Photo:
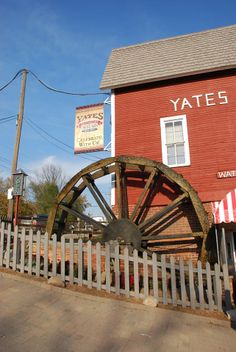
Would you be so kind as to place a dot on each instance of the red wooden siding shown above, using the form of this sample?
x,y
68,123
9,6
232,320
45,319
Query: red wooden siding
x,y
211,129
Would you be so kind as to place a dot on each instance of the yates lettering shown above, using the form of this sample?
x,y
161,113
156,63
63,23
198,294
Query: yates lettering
x,y
200,100
98,116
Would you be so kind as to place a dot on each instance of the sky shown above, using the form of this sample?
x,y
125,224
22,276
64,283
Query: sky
x,y
67,44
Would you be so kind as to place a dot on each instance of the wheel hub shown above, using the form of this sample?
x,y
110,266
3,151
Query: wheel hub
x,y
123,230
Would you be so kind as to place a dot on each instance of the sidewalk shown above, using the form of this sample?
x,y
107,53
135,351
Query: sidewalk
x,y
35,317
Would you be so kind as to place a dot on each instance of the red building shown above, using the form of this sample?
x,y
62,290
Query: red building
x,y
174,100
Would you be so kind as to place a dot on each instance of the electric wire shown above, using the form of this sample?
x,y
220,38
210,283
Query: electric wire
x,y
45,137
5,167
48,134
56,139
56,90
7,117
2,122
5,159
63,91
13,78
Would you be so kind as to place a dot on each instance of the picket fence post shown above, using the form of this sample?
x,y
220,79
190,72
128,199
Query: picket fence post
x,y
182,282
54,255
209,286
89,264
145,274
30,252
228,304
98,266
218,287
80,262
63,253
164,279
200,285
117,269
173,281
22,250
191,285
71,266
155,276
45,253
15,248
8,249
2,243
38,247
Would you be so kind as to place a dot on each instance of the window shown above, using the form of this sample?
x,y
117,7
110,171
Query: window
x,y
174,137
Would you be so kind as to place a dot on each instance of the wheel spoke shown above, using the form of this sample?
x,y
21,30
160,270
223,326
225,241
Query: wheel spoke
x,y
118,191
125,210
102,203
143,194
82,216
156,217
122,197
147,201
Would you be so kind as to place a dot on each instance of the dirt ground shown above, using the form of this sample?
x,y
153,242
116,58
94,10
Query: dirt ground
x,y
94,292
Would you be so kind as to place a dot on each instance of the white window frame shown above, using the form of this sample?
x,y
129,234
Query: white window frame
x,y
163,121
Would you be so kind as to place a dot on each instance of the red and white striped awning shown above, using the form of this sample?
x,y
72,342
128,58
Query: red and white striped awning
x,y
225,210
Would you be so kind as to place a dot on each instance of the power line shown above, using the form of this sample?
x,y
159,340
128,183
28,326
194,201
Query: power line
x,y
5,159
13,78
63,91
57,140
43,136
5,167
56,90
8,120
7,117
48,134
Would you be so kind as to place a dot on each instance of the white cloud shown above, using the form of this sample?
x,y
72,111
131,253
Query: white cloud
x,y
69,167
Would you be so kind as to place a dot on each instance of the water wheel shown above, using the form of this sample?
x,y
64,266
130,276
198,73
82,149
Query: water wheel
x,y
132,223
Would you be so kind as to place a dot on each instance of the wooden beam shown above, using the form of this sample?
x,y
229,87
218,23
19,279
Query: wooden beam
x,y
143,194
82,216
150,221
125,207
103,205
173,236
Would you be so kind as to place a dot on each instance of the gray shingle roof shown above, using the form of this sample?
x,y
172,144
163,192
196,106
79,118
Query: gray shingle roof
x,y
185,55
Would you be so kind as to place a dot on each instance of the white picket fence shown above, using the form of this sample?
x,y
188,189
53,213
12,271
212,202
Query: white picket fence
x,y
115,269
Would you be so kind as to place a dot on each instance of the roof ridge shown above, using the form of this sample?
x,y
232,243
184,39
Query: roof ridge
x,y
174,38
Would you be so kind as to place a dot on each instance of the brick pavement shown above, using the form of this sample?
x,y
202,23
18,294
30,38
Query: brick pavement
x,y
36,317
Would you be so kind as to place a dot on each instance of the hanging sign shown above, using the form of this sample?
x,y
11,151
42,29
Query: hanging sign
x,y
89,128
18,184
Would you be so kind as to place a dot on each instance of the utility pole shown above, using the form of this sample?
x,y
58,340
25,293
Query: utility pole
x,y
18,137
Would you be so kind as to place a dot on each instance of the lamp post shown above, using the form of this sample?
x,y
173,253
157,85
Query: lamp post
x,y
19,178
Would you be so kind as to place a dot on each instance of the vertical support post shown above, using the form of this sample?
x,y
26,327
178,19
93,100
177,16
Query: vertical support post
x,y
217,244
18,136
223,244
16,212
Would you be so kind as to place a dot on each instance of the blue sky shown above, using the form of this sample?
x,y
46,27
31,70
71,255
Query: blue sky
x,y
67,44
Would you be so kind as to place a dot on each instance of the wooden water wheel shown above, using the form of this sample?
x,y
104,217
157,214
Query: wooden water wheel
x,y
132,223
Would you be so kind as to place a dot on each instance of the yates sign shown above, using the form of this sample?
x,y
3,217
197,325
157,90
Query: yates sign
x,y
89,128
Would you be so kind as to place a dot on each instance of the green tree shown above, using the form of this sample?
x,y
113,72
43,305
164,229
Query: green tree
x,y
45,187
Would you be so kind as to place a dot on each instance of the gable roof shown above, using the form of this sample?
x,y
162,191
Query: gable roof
x,y
180,56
